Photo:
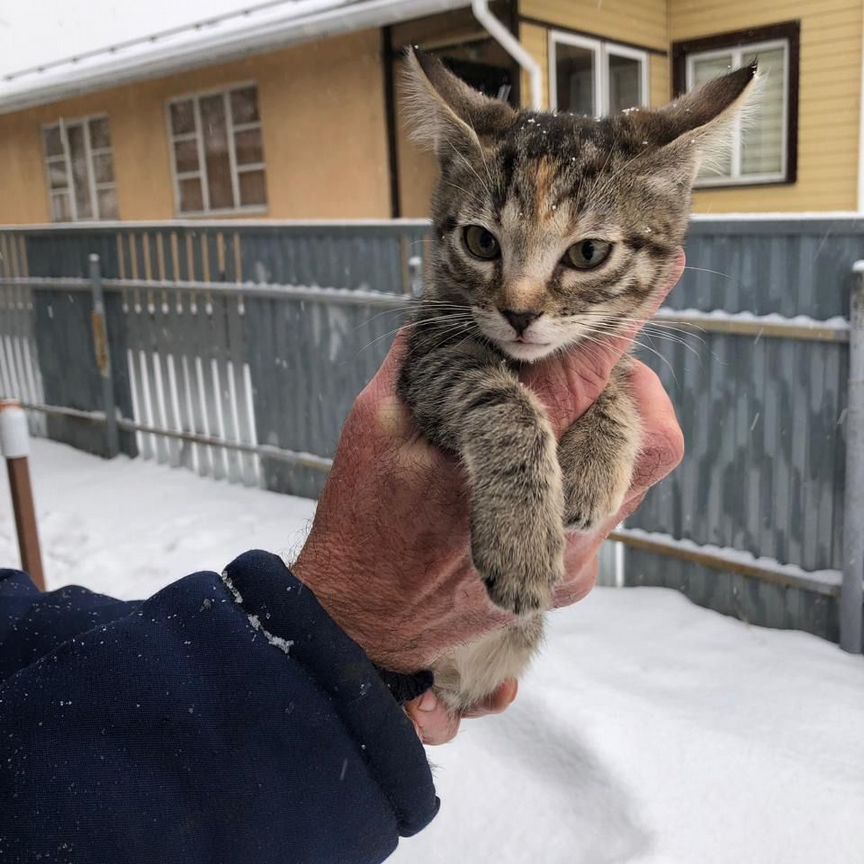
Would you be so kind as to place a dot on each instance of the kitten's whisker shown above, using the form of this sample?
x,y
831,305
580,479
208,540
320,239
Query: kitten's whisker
x,y
463,321
656,353
378,315
673,340
706,270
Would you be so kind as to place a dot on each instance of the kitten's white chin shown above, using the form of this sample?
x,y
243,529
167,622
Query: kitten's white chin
x,y
527,351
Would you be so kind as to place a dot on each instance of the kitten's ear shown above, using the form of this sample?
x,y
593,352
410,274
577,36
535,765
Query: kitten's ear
x,y
688,130
444,112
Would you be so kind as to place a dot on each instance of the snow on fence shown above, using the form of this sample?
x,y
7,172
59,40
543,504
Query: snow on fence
x,y
236,350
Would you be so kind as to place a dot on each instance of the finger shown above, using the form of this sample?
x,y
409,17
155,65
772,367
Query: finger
x,y
662,438
582,567
568,384
497,702
433,722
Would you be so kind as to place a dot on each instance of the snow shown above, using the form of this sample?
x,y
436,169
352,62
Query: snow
x,y
129,527
45,33
827,579
283,645
227,32
782,215
838,323
650,731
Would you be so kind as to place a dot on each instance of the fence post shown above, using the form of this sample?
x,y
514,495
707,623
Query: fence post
x,y
102,350
15,446
852,590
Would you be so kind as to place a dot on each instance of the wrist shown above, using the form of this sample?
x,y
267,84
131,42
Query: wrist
x,y
322,568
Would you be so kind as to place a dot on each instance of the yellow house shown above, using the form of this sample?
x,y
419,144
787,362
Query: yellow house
x,y
290,110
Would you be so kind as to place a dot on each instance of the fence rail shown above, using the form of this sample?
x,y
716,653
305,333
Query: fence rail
x,y
237,349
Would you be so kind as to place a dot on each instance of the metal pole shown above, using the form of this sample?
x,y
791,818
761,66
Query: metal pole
x,y
15,446
852,590
102,350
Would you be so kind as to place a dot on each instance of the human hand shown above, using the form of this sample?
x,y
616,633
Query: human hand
x,y
389,551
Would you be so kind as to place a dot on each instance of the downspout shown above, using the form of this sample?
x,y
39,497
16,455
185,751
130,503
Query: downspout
x,y
513,47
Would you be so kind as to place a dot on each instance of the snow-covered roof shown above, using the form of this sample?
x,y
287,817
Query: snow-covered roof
x,y
232,34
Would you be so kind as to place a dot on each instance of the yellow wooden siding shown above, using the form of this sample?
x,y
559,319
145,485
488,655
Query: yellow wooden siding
x,y
536,42
642,22
829,98
659,80
418,171
322,111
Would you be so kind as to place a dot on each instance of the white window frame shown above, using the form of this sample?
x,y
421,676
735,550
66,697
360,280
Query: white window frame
x,y
66,159
201,174
736,53
602,50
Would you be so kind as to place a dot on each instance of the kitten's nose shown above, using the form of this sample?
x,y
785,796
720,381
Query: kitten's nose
x,y
520,321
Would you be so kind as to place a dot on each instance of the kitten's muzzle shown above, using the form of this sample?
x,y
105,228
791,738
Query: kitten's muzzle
x,y
520,321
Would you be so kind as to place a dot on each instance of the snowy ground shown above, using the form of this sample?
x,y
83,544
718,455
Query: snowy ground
x,y
651,731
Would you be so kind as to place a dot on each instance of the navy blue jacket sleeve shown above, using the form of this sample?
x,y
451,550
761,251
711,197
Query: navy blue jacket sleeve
x,y
226,719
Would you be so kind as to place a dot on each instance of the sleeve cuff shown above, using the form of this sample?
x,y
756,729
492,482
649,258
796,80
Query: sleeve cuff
x,y
289,616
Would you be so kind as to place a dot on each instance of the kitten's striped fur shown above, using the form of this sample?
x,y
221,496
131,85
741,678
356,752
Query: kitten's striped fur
x,y
539,183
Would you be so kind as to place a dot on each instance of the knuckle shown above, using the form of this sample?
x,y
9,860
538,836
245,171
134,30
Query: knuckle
x,y
664,449
364,404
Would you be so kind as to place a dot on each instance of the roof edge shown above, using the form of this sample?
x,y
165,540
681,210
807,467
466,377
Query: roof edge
x,y
222,48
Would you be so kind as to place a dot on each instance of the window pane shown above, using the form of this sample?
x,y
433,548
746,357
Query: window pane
x,y
216,152
107,199
100,133
53,141
252,188
247,146
80,173
574,73
60,210
191,200
103,168
762,133
186,156
706,69
244,105
625,83
57,174
182,117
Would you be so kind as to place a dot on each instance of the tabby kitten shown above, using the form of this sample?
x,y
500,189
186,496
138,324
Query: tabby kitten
x,y
550,230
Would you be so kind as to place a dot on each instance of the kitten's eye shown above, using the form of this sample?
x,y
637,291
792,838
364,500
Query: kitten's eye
x,y
481,243
587,254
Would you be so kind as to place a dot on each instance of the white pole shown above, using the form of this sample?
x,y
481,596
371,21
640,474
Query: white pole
x,y
14,440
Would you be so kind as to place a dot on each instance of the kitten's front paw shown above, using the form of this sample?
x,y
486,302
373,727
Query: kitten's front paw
x,y
519,565
587,507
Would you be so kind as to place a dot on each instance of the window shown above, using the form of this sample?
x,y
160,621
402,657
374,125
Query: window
x,y
80,169
217,151
763,149
595,78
